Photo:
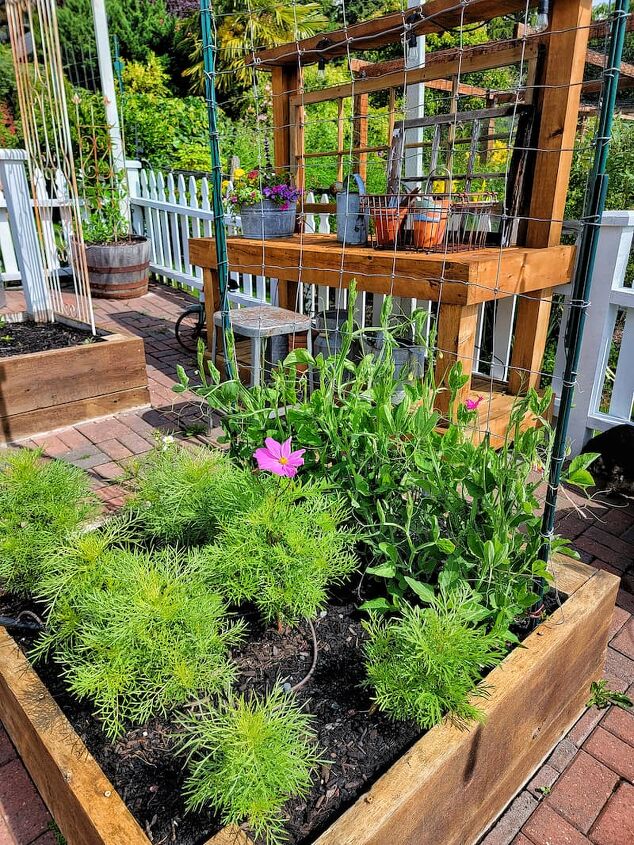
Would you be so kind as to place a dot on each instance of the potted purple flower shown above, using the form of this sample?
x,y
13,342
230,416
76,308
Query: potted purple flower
x,y
267,203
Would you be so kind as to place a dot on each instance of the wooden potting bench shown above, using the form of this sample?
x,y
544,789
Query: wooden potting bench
x,y
552,70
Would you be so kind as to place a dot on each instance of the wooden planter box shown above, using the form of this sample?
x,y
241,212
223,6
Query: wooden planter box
x,y
41,391
445,791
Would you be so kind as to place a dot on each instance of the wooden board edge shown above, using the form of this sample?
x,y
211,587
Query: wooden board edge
x,y
42,420
86,807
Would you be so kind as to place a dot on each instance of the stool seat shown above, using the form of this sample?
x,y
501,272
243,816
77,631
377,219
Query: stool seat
x,y
265,321
259,323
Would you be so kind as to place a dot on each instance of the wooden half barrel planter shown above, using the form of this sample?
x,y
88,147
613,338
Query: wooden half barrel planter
x,y
445,790
41,391
119,270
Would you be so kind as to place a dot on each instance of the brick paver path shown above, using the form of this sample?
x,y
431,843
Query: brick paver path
x,y
584,793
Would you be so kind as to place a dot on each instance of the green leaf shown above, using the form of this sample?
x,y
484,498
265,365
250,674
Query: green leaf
x,y
446,546
580,478
383,570
380,604
299,356
423,591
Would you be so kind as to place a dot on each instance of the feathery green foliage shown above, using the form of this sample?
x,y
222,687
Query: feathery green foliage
x,y
181,493
247,758
86,563
155,638
425,663
41,503
284,552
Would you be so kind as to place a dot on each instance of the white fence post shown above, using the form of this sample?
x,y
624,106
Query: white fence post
x,y
17,195
608,295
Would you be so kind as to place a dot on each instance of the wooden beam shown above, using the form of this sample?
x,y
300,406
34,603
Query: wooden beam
x,y
434,16
440,65
284,83
370,70
360,107
594,57
594,86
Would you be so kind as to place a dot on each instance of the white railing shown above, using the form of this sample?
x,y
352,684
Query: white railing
x,y
604,394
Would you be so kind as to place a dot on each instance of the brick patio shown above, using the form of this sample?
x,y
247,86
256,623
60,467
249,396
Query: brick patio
x,y
584,793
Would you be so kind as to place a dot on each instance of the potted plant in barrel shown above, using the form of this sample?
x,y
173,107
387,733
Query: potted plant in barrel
x,y
266,201
118,261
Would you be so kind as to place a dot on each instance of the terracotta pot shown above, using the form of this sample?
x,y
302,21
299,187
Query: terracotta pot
x,y
430,224
387,223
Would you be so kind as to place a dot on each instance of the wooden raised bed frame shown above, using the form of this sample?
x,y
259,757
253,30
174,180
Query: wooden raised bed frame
x,y
445,791
41,391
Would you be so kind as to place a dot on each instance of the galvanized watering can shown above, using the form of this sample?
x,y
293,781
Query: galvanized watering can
x,y
352,223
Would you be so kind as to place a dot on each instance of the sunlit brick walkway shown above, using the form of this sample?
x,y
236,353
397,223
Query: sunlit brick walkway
x,y
583,794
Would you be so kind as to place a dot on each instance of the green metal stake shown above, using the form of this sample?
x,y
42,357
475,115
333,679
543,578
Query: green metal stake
x,y
220,234
594,206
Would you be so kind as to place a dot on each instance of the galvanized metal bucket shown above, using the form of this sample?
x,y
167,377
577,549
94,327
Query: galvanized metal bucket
x,y
265,220
352,223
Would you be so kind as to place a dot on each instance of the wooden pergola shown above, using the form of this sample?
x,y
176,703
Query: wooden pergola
x,y
555,60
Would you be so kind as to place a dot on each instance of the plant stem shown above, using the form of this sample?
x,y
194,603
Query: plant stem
x,y
305,680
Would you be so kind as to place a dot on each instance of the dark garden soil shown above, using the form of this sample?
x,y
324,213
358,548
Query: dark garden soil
x,y
357,745
21,338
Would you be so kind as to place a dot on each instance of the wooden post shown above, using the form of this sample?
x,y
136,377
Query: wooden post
x,y
284,83
557,105
455,340
360,133
340,136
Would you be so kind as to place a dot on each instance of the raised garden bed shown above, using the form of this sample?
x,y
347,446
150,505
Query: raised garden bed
x,y
64,375
535,695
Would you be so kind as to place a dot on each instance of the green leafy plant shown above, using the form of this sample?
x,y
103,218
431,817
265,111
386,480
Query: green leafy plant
x,y
42,502
182,493
284,552
425,663
601,696
154,639
247,757
435,508
84,564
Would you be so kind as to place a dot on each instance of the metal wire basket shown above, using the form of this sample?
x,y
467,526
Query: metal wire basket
x,y
430,222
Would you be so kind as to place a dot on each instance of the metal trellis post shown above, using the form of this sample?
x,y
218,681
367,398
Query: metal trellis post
x,y
593,210
220,232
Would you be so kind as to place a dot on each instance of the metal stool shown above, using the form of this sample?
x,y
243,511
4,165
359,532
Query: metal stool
x,y
259,323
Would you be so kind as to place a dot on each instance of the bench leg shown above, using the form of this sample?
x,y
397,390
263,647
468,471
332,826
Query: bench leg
x,y
455,339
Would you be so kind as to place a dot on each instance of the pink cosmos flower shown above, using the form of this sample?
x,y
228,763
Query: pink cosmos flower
x,y
278,458
472,404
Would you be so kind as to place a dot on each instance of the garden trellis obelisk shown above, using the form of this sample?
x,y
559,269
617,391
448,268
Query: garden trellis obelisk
x,y
41,91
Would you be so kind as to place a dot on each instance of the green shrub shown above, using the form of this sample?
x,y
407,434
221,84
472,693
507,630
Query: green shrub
x,y
247,758
86,563
425,663
42,502
153,639
181,493
284,552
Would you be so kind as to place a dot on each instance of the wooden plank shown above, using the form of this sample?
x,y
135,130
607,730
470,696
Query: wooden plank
x,y
61,376
366,70
284,84
597,59
434,16
463,278
19,426
414,803
84,804
439,65
455,340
